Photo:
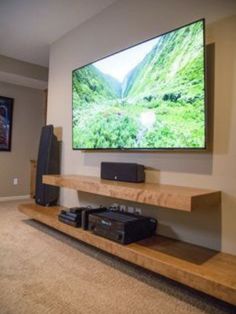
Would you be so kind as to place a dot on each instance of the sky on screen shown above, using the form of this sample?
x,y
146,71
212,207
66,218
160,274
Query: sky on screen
x,y
120,64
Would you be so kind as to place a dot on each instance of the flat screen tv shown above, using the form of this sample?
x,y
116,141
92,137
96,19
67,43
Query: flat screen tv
x,y
148,97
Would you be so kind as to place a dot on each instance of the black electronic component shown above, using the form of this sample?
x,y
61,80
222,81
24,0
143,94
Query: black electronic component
x,y
71,216
119,171
76,210
85,215
69,222
122,227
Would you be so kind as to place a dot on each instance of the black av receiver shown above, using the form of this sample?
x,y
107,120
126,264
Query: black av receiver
x,y
120,227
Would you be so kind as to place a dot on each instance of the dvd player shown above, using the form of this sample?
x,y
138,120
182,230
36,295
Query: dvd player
x,y
71,217
78,216
122,227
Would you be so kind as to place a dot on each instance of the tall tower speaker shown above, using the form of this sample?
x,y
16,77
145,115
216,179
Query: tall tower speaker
x,y
48,163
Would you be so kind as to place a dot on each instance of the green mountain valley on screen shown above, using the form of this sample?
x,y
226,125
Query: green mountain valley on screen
x,y
159,103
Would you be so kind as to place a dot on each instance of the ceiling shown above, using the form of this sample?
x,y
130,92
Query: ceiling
x,y
28,27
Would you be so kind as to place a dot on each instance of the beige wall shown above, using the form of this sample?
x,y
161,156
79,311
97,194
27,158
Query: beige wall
x,y
119,26
22,68
27,123
23,73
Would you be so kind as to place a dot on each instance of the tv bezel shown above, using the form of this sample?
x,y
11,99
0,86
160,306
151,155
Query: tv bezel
x,y
205,148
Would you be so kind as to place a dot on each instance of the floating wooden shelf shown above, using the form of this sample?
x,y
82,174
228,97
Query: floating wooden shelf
x,y
177,197
206,270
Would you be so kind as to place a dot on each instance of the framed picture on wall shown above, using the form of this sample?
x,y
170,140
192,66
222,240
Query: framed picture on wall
x,y
6,109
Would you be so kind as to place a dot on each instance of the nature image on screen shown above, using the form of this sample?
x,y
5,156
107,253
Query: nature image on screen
x,y
150,96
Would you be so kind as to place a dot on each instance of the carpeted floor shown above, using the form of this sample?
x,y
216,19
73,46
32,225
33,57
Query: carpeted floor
x,y
44,271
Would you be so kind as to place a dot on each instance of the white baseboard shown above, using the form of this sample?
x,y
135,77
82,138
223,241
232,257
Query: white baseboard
x,y
14,198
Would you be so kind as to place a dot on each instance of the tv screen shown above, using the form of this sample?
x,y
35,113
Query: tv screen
x,y
149,96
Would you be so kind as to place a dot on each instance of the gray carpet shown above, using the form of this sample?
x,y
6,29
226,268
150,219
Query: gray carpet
x,y
44,271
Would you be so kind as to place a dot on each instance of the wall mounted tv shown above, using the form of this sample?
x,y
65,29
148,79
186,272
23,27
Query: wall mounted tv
x,y
148,97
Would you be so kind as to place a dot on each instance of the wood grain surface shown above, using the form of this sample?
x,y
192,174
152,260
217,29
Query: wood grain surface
x,y
203,269
170,196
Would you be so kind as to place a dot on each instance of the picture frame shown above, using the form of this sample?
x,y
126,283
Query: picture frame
x,y
6,113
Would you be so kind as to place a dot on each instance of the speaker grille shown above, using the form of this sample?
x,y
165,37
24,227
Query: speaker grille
x,y
48,163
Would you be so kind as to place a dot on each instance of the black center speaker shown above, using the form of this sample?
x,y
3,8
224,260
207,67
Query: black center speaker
x,y
119,171
48,162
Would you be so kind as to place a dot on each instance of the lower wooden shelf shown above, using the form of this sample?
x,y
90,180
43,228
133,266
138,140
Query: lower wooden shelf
x,y
205,270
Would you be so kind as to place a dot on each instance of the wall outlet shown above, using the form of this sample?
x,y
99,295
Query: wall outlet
x,y
122,208
115,206
15,181
130,209
138,211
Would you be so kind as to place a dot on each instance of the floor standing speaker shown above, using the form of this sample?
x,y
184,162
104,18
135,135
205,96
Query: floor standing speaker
x,y
48,163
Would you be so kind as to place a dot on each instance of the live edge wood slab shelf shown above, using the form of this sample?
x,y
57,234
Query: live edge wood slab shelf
x,y
169,196
206,270
200,268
